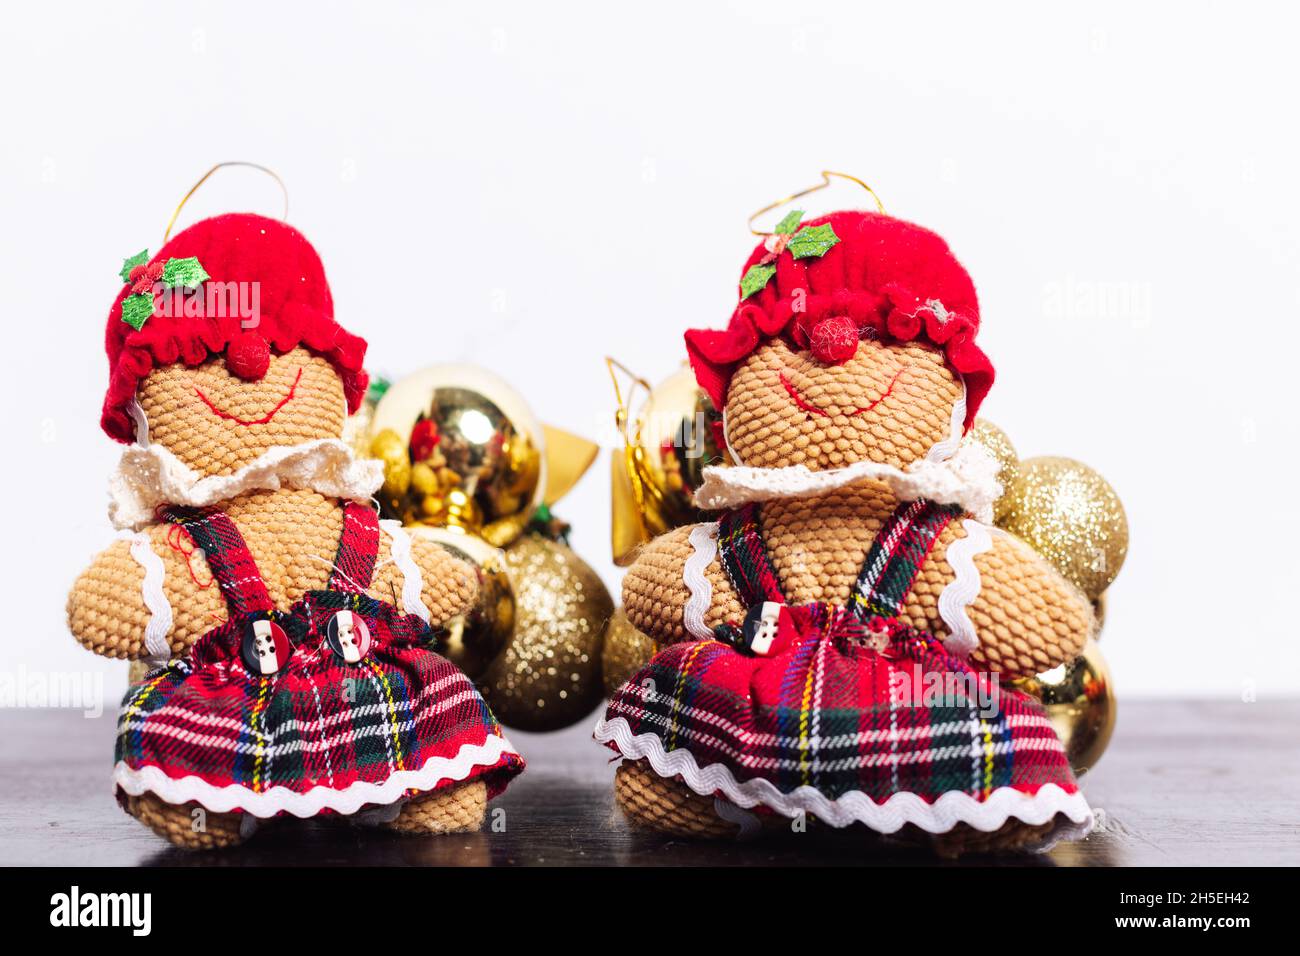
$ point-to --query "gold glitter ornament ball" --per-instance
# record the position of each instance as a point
(626, 651)
(549, 675)
(1080, 702)
(995, 441)
(1071, 516)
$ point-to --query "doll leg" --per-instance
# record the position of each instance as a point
(1013, 836)
(176, 823)
(458, 809)
(670, 806)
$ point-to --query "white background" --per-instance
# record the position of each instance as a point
(532, 190)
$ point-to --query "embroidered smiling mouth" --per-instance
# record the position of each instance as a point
(811, 409)
(265, 419)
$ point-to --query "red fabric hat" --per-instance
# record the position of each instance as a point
(884, 277)
(294, 307)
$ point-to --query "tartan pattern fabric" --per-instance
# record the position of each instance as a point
(358, 545)
(854, 699)
(231, 562)
(318, 722)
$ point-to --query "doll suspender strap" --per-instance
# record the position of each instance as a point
(896, 557)
(744, 557)
(228, 557)
(354, 564)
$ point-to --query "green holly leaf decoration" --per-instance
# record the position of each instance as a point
(139, 259)
(790, 223)
(136, 310)
(184, 272)
(813, 241)
(756, 277)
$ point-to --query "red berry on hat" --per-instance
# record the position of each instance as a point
(248, 356)
(833, 340)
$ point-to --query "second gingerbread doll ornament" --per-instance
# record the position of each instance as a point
(841, 640)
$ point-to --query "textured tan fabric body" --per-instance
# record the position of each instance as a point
(176, 823)
(1027, 616)
(181, 421)
(456, 809)
(293, 536)
(765, 427)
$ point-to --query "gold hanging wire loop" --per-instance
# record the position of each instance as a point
(826, 181)
(234, 162)
(622, 417)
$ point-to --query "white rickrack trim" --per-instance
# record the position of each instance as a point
(309, 803)
(155, 599)
(942, 815)
(964, 588)
(945, 449)
(412, 577)
(704, 539)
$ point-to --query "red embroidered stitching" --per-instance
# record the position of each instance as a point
(805, 406)
(260, 421)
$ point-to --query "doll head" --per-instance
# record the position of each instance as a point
(244, 358)
(865, 352)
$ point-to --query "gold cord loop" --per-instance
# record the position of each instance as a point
(826, 181)
(236, 162)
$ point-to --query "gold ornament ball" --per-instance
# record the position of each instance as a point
(627, 650)
(487, 468)
(995, 441)
(388, 447)
(474, 639)
(1080, 702)
(549, 675)
(1071, 516)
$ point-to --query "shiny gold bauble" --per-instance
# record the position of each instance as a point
(1072, 517)
(995, 441)
(388, 447)
(488, 467)
(1080, 701)
(669, 442)
(473, 640)
(549, 675)
(626, 651)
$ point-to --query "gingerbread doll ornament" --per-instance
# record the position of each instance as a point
(841, 640)
(291, 627)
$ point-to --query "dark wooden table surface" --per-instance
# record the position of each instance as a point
(1183, 783)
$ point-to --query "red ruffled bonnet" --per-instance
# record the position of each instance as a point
(887, 277)
(294, 308)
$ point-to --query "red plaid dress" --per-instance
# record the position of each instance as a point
(320, 735)
(851, 714)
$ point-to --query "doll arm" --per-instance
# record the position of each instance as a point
(1027, 617)
(107, 611)
(655, 591)
(448, 585)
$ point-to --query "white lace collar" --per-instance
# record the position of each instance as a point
(968, 478)
(952, 472)
(148, 476)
